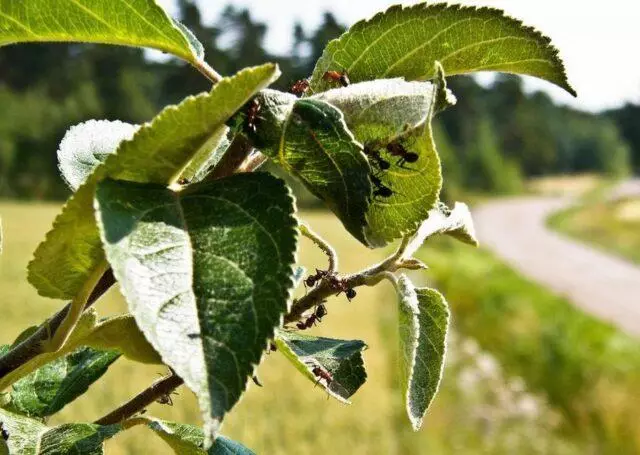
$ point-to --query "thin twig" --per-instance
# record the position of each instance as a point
(323, 245)
(207, 71)
(158, 389)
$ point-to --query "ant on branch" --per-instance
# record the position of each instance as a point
(396, 149)
(311, 280)
(337, 76)
(300, 87)
(166, 399)
(318, 314)
(320, 373)
(381, 190)
(252, 115)
(341, 286)
(376, 159)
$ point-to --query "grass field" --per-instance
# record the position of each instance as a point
(587, 369)
(480, 409)
(610, 225)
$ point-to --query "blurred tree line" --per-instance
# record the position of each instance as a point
(493, 139)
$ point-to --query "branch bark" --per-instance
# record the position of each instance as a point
(158, 389)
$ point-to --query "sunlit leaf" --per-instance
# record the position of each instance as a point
(342, 359)
(456, 223)
(48, 389)
(207, 274)
(157, 153)
(31, 437)
(407, 41)
(189, 440)
(424, 321)
(87, 145)
(125, 22)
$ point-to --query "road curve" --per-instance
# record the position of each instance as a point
(601, 284)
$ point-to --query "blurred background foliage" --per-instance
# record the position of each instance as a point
(491, 141)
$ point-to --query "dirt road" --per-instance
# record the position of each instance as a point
(600, 284)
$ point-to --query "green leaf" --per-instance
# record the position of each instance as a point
(121, 333)
(456, 223)
(383, 110)
(206, 272)
(341, 358)
(87, 145)
(157, 153)
(407, 41)
(311, 141)
(424, 321)
(84, 327)
(31, 437)
(48, 389)
(189, 440)
(125, 22)
(415, 189)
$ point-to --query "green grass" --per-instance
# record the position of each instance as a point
(474, 412)
(613, 226)
(587, 369)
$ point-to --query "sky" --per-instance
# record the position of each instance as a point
(598, 40)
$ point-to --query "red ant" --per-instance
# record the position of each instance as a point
(337, 76)
(341, 286)
(396, 149)
(376, 159)
(381, 190)
(300, 87)
(311, 280)
(321, 374)
(318, 314)
(252, 115)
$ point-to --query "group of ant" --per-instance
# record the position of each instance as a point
(337, 284)
(379, 163)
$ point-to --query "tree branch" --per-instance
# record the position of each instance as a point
(158, 389)
(323, 245)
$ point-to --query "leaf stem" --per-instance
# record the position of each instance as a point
(323, 245)
(161, 387)
(208, 72)
(35, 344)
(76, 308)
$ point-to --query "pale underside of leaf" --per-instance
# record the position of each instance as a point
(381, 111)
(31, 437)
(407, 41)
(207, 274)
(87, 145)
(424, 320)
(124, 22)
(456, 223)
(341, 358)
(157, 153)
